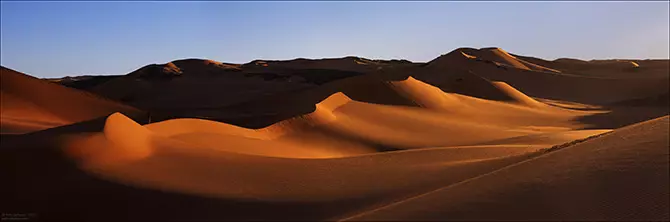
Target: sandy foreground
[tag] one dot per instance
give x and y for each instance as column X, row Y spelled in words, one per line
column 476, row 134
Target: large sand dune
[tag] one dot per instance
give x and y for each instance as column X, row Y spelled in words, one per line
column 476, row 134
column 542, row 84
column 619, row 176
column 30, row 104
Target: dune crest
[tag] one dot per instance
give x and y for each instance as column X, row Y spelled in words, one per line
column 130, row 137
column 424, row 95
column 322, row 115
column 518, row 96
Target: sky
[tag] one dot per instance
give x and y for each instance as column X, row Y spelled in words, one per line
column 68, row 38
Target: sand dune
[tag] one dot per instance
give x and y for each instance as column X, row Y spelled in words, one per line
column 390, row 88
column 30, row 104
column 365, row 127
column 607, row 68
column 546, row 85
column 500, row 57
column 476, row 134
column 371, row 127
column 349, row 63
column 579, row 180
column 518, row 97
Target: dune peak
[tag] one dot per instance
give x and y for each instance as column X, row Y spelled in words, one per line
column 129, row 137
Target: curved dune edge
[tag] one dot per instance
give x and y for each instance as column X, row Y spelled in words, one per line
column 501, row 57
column 424, row 95
column 129, row 137
column 505, row 57
column 509, row 59
column 517, row 95
column 322, row 115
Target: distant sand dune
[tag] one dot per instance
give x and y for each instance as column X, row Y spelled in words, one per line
column 596, row 90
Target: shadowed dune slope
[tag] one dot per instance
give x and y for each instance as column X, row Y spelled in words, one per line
column 619, row 176
column 661, row 100
column 616, row 68
column 183, row 86
column 30, row 104
column 349, row 63
column 547, row 85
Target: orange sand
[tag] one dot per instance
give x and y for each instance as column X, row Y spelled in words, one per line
column 476, row 134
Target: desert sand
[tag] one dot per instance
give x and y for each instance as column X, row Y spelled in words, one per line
column 475, row 134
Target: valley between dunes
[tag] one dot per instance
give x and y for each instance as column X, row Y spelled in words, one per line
column 475, row 134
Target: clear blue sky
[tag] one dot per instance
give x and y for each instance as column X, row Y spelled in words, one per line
column 52, row 39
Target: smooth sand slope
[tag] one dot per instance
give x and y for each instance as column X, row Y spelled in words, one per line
column 30, row 104
column 619, row 176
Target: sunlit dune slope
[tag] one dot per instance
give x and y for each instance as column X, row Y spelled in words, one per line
column 340, row 126
column 158, row 157
column 620, row 176
column 30, row 104
column 385, row 88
